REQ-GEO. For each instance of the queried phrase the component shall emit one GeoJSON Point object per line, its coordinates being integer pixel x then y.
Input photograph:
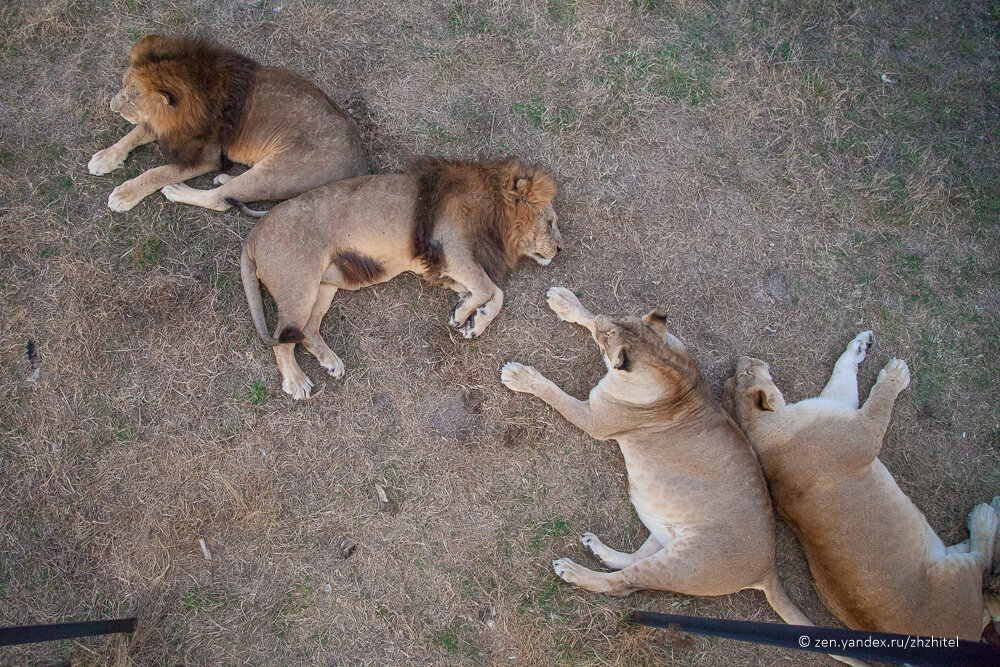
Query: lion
{"type": "Point", "coordinates": [459, 224]}
{"type": "Point", "coordinates": [208, 107]}
{"type": "Point", "coordinates": [877, 563]}
{"type": "Point", "coordinates": [693, 478]}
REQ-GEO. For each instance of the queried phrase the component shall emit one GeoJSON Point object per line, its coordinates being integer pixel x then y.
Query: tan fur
{"type": "Point", "coordinates": [367, 230]}
{"type": "Point", "coordinates": [208, 106]}
{"type": "Point", "coordinates": [693, 477]}
{"type": "Point", "coordinates": [877, 563]}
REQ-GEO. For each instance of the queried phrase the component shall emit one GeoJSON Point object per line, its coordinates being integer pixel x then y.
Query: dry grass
{"type": "Point", "coordinates": [745, 167]}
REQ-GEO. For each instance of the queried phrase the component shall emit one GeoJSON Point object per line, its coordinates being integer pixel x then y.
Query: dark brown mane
{"type": "Point", "coordinates": [206, 86]}
{"type": "Point", "coordinates": [496, 202]}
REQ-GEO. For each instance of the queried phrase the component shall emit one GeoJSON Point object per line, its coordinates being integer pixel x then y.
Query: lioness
{"type": "Point", "coordinates": [877, 563]}
{"type": "Point", "coordinates": [207, 107]}
{"type": "Point", "coordinates": [459, 224]}
{"type": "Point", "coordinates": [693, 477]}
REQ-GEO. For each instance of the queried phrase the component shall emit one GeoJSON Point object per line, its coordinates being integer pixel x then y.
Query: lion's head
{"type": "Point", "coordinates": [527, 220]}
{"type": "Point", "coordinates": [191, 92]}
{"type": "Point", "coordinates": [540, 240]}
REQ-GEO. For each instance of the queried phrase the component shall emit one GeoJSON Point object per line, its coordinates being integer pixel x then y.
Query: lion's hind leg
{"type": "Point", "coordinates": [328, 359]}
{"type": "Point", "coordinates": [617, 560]}
{"type": "Point", "coordinates": [294, 312]}
{"type": "Point", "coordinates": [667, 569]}
{"type": "Point", "coordinates": [271, 179]}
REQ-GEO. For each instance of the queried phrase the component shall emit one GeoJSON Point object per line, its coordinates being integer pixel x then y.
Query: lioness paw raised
{"type": "Point", "coordinates": [859, 346]}
{"type": "Point", "coordinates": [105, 161]}
{"type": "Point", "coordinates": [563, 303]}
{"type": "Point", "coordinates": [518, 377]}
{"type": "Point", "coordinates": [896, 371]}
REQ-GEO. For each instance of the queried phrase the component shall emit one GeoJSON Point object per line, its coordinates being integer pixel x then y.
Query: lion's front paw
{"type": "Point", "coordinates": [595, 545]}
{"type": "Point", "coordinates": [563, 303]}
{"type": "Point", "coordinates": [858, 347]}
{"type": "Point", "coordinates": [104, 162]}
{"type": "Point", "coordinates": [475, 324]}
{"type": "Point", "coordinates": [124, 197]}
{"type": "Point", "coordinates": [896, 371]}
{"type": "Point", "coordinates": [518, 377]}
{"type": "Point", "coordinates": [568, 571]}
{"type": "Point", "coordinates": [453, 320]}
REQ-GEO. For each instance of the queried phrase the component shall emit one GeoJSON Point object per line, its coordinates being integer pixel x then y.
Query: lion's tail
{"type": "Point", "coordinates": [251, 286]}
{"type": "Point", "coordinates": [236, 203]}
{"type": "Point", "coordinates": [789, 612]}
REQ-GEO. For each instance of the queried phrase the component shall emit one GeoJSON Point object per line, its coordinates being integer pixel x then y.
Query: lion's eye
{"type": "Point", "coordinates": [552, 224]}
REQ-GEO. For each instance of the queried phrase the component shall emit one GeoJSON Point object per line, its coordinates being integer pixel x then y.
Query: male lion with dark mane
{"type": "Point", "coordinates": [459, 224]}
{"type": "Point", "coordinates": [208, 107]}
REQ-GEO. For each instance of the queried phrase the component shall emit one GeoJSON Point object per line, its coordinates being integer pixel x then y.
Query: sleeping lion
{"type": "Point", "coordinates": [208, 107]}
{"type": "Point", "coordinates": [459, 224]}
{"type": "Point", "coordinates": [877, 563]}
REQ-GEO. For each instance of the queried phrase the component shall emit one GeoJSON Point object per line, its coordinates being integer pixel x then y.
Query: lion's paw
{"type": "Point", "coordinates": [858, 348]}
{"type": "Point", "coordinates": [105, 162]}
{"type": "Point", "coordinates": [518, 377]}
{"type": "Point", "coordinates": [336, 369]}
{"type": "Point", "coordinates": [595, 545]}
{"type": "Point", "coordinates": [982, 521]}
{"type": "Point", "coordinates": [221, 179]}
{"type": "Point", "coordinates": [453, 320]}
{"type": "Point", "coordinates": [123, 198]}
{"type": "Point", "coordinates": [475, 324]}
{"type": "Point", "coordinates": [568, 571]}
{"type": "Point", "coordinates": [563, 303]}
{"type": "Point", "coordinates": [897, 371]}
{"type": "Point", "coordinates": [298, 386]}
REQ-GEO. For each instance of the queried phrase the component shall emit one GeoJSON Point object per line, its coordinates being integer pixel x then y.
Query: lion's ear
{"type": "Point", "coordinates": [521, 186]}
{"type": "Point", "coordinates": [621, 360]}
{"type": "Point", "coordinates": [657, 321]}
{"type": "Point", "coordinates": [163, 97]}
{"type": "Point", "coordinates": [762, 401]}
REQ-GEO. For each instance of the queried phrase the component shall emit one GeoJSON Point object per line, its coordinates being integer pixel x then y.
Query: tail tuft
{"type": "Point", "coordinates": [291, 335]}
{"type": "Point", "coordinates": [237, 204]}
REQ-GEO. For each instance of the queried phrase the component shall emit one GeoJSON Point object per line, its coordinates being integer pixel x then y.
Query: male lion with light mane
{"type": "Point", "coordinates": [877, 563]}
{"type": "Point", "coordinates": [693, 477]}
{"type": "Point", "coordinates": [208, 107]}
{"type": "Point", "coordinates": [458, 224]}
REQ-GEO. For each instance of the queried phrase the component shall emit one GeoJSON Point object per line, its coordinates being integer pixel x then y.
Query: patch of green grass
{"type": "Point", "coordinates": [440, 132]}
{"type": "Point", "coordinates": [665, 72]}
{"type": "Point", "coordinates": [532, 110]}
{"type": "Point", "coordinates": [456, 638]}
{"type": "Point", "coordinates": [201, 599]}
{"type": "Point", "coordinates": [147, 252]}
{"type": "Point", "coordinates": [121, 427]}
{"type": "Point", "coordinates": [257, 393]}
{"type": "Point", "coordinates": [543, 117]}
{"type": "Point", "coordinates": [562, 11]}
{"type": "Point", "coordinates": [551, 528]}
{"type": "Point", "coordinates": [466, 19]}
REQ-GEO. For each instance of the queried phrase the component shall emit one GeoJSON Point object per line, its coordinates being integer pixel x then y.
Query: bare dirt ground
{"type": "Point", "coordinates": [778, 178]}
